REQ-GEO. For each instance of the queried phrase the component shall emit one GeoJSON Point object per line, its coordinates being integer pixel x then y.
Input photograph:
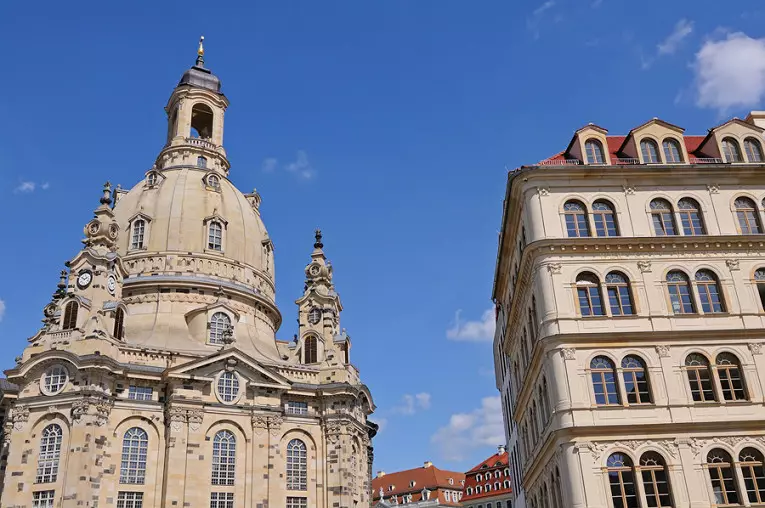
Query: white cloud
{"type": "Point", "coordinates": [483, 427]}
{"type": "Point", "coordinates": [537, 15]}
{"type": "Point", "coordinates": [472, 331]}
{"type": "Point", "coordinates": [301, 167]}
{"type": "Point", "coordinates": [730, 72]}
{"type": "Point", "coordinates": [2, 309]}
{"type": "Point", "coordinates": [45, 186]}
{"type": "Point", "coordinates": [683, 29]}
{"type": "Point", "coordinates": [25, 188]}
{"type": "Point", "coordinates": [269, 165]}
{"type": "Point", "coordinates": [411, 404]}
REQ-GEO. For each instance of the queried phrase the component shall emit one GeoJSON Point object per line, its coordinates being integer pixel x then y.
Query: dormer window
{"type": "Point", "coordinates": [753, 150]}
{"type": "Point", "coordinates": [672, 152]}
{"type": "Point", "coordinates": [594, 152]}
{"type": "Point", "coordinates": [213, 181]}
{"type": "Point", "coordinates": [731, 150]}
{"type": "Point", "coordinates": [152, 179]}
{"type": "Point", "coordinates": [136, 239]}
{"type": "Point", "coordinates": [219, 324]}
{"type": "Point", "coordinates": [650, 151]}
{"type": "Point", "coordinates": [412, 483]}
{"type": "Point", "coordinates": [215, 236]}
{"type": "Point", "coordinates": [201, 162]}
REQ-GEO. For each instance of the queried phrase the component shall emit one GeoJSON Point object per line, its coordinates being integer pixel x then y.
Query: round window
{"type": "Point", "coordinates": [54, 380]}
{"type": "Point", "coordinates": [228, 387]}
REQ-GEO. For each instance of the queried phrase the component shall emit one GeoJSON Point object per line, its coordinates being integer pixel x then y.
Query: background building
{"type": "Point", "coordinates": [425, 486]}
{"type": "Point", "coordinates": [488, 484]}
{"type": "Point", "coordinates": [157, 379]}
{"type": "Point", "coordinates": [630, 291]}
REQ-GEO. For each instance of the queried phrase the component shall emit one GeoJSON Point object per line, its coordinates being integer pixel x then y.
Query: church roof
{"type": "Point", "coordinates": [198, 75]}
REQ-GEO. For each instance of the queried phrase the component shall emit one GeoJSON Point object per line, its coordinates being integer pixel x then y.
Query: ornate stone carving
{"type": "Point", "coordinates": [275, 425]}
{"type": "Point", "coordinates": [755, 348]}
{"type": "Point", "coordinates": [554, 268]}
{"type": "Point", "coordinates": [101, 409]}
{"type": "Point", "coordinates": [176, 416]}
{"type": "Point", "coordinates": [194, 417]}
{"type": "Point", "coordinates": [629, 190]}
{"type": "Point", "coordinates": [713, 188]}
{"type": "Point", "coordinates": [644, 266]}
{"type": "Point", "coordinates": [543, 191]}
{"type": "Point", "coordinates": [79, 409]}
{"type": "Point", "coordinates": [732, 264]}
{"type": "Point", "coordinates": [19, 416]}
{"type": "Point", "coordinates": [568, 353]}
{"type": "Point", "coordinates": [259, 423]}
{"type": "Point", "coordinates": [662, 350]}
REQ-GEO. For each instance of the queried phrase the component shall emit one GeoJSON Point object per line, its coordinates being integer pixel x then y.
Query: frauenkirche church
{"type": "Point", "coordinates": [157, 380]}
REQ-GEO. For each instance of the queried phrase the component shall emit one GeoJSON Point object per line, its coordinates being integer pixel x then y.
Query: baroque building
{"type": "Point", "coordinates": [488, 484]}
{"type": "Point", "coordinates": [423, 487]}
{"type": "Point", "coordinates": [630, 305]}
{"type": "Point", "coordinates": [157, 379]}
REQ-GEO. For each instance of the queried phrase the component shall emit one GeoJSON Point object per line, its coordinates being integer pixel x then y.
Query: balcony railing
{"type": "Point", "coordinates": [561, 162]}
{"type": "Point", "coordinates": [623, 161]}
{"type": "Point", "coordinates": [708, 160]}
{"type": "Point", "coordinates": [201, 143]}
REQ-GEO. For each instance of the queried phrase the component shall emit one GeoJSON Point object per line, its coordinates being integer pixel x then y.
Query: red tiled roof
{"type": "Point", "coordinates": [430, 478]}
{"type": "Point", "coordinates": [692, 144]}
{"type": "Point", "coordinates": [492, 465]}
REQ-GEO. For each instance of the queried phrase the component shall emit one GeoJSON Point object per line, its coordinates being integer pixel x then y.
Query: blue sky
{"type": "Point", "coordinates": [387, 123]}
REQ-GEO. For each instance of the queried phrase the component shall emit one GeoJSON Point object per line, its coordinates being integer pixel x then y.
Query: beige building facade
{"type": "Point", "coordinates": [157, 379]}
{"type": "Point", "coordinates": [630, 297]}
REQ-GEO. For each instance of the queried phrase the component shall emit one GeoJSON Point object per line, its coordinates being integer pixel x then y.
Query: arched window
{"type": "Point", "coordinates": [576, 219]}
{"type": "Point", "coordinates": [588, 293]}
{"type": "Point", "coordinates": [311, 348]}
{"type": "Point", "coordinates": [753, 150]}
{"type": "Point", "coordinates": [759, 279]}
{"type": "Point", "coordinates": [635, 378]}
{"type": "Point", "coordinates": [152, 179]}
{"type": "Point", "coordinates": [748, 216]}
{"type": "Point", "coordinates": [135, 446]}
{"type": "Point", "coordinates": [201, 121]}
{"type": "Point", "coordinates": [653, 471]}
{"type": "Point", "coordinates": [201, 162]}
{"type": "Point", "coordinates": [731, 150]}
{"type": "Point", "coordinates": [545, 402]}
{"type": "Point", "coordinates": [558, 490]}
{"type": "Point", "coordinates": [224, 458]}
{"type": "Point", "coordinates": [228, 386]}
{"type": "Point", "coordinates": [215, 236]}
{"type": "Point", "coordinates": [663, 218]}
{"type": "Point", "coordinates": [497, 486]}
{"type": "Point", "coordinates": [650, 151]}
{"type": "Point", "coordinates": [690, 217]}
{"type": "Point", "coordinates": [672, 152]}
{"type": "Point", "coordinates": [604, 381]}
{"type": "Point", "coordinates": [213, 181]}
{"type": "Point", "coordinates": [720, 466]}
{"type": "Point", "coordinates": [50, 453]}
{"type": "Point", "coordinates": [70, 315]}
{"type": "Point", "coordinates": [605, 218]}
{"type": "Point", "coordinates": [700, 378]}
{"type": "Point", "coordinates": [621, 477]}
{"type": "Point", "coordinates": [751, 462]}
{"type": "Point", "coordinates": [297, 465]}
{"type": "Point", "coordinates": [619, 297]}
{"type": "Point", "coordinates": [119, 318]}
{"type": "Point", "coordinates": [679, 288]}
{"type": "Point", "coordinates": [709, 292]}
{"type": "Point", "coordinates": [731, 381]}
{"type": "Point", "coordinates": [594, 152]}
{"type": "Point", "coordinates": [219, 325]}
{"type": "Point", "coordinates": [139, 228]}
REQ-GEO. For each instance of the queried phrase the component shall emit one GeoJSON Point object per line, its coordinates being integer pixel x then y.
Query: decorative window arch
{"type": "Point", "coordinates": [603, 374]}
{"type": "Point", "coordinates": [722, 475]}
{"type": "Point", "coordinates": [751, 463]}
{"type": "Point", "coordinates": [619, 294]}
{"type": "Point", "coordinates": [119, 319]}
{"type": "Point", "coordinates": [653, 470]}
{"type": "Point", "coordinates": [137, 234]}
{"type": "Point", "coordinates": [690, 217]}
{"type": "Point", "coordinates": [220, 324]}
{"type": "Point", "coordinates": [621, 477]}
{"type": "Point", "coordinates": [748, 216]}
{"type": "Point", "coordinates": [753, 149]}
{"type": "Point", "coordinates": [731, 377]}
{"type": "Point", "coordinates": [297, 465]}
{"type": "Point", "coordinates": [577, 223]}
{"type": "Point", "coordinates": [731, 150]}
{"type": "Point", "coordinates": [594, 152]}
{"type": "Point", "coordinates": [215, 236]}
{"type": "Point", "coordinates": [135, 448]}
{"type": "Point", "coordinates": [680, 296]}
{"type": "Point", "coordinates": [310, 349]}
{"type": "Point", "coordinates": [672, 152]}
{"type": "Point", "coordinates": [699, 375]}
{"type": "Point", "coordinates": [709, 292]}
{"type": "Point", "coordinates": [588, 294]}
{"type": "Point", "coordinates": [604, 215]}
{"type": "Point", "coordinates": [663, 217]}
{"type": "Point", "coordinates": [224, 458]}
{"type": "Point", "coordinates": [650, 151]}
{"type": "Point", "coordinates": [50, 454]}
{"type": "Point", "coordinates": [635, 376]}
{"type": "Point", "coordinates": [70, 315]}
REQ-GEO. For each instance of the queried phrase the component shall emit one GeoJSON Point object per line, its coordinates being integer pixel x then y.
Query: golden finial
{"type": "Point", "coordinates": [201, 50]}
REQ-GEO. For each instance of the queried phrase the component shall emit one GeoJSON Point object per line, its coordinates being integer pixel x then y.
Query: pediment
{"type": "Point", "coordinates": [139, 215]}
{"type": "Point", "coordinates": [211, 307]}
{"type": "Point", "coordinates": [254, 373]}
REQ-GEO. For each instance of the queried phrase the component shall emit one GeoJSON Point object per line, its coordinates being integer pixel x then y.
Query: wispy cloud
{"type": "Point", "coordinates": [472, 331]}
{"type": "Point", "coordinates": [382, 424]}
{"type": "Point", "coordinates": [2, 309]}
{"type": "Point", "coordinates": [301, 167]}
{"type": "Point", "coordinates": [537, 17]}
{"type": "Point", "coordinates": [269, 165]}
{"type": "Point", "coordinates": [28, 186]}
{"type": "Point", "coordinates": [730, 73]}
{"type": "Point", "coordinates": [669, 46]}
{"type": "Point", "coordinates": [465, 432]}
{"type": "Point", "coordinates": [411, 404]}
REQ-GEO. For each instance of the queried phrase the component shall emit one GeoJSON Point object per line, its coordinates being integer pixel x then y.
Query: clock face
{"type": "Point", "coordinates": [111, 284]}
{"type": "Point", "coordinates": [84, 279]}
{"type": "Point", "coordinates": [314, 270]}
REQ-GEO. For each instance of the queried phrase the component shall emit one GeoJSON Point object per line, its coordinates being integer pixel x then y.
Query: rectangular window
{"type": "Point", "coordinates": [43, 499]}
{"type": "Point", "coordinates": [130, 500]}
{"type": "Point", "coordinates": [297, 408]}
{"type": "Point", "coordinates": [222, 500]}
{"type": "Point", "coordinates": [297, 502]}
{"type": "Point", "coordinates": [139, 392]}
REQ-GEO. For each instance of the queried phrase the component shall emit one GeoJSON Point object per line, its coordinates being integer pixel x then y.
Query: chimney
{"type": "Point", "coordinates": [427, 464]}
{"type": "Point", "coordinates": [756, 118]}
{"type": "Point", "coordinates": [380, 474]}
{"type": "Point", "coordinates": [501, 449]}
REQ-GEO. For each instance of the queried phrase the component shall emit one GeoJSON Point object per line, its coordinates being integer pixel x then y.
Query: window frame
{"type": "Point", "coordinates": [135, 450]}
{"type": "Point", "coordinates": [589, 292]}
{"type": "Point", "coordinates": [698, 379]}
{"type": "Point", "coordinates": [646, 145]}
{"type": "Point", "coordinates": [691, 219]}
{"type": "Point", "coordinates": [216, 327]}
{"type": "Point", "coordinates": [57, 372]}
{"type": "Point", "coordinates": [599, 378]}
{"type": "Point", "coordinates": [665, 217]}
{"type": "Point", "coordinates": [619, 293]}
{"type": "Point", "coordinates": [747, 217]}
{"type": "Point", "coordinates": [600, 218]}
{"type": "Point", "coordinates": [753, 472]}
{"type": "Point", "coordinates": [621, 473]}
{"type": "Point", "coordinates": [296, 465]}
{"type": "Point", "coordinates": [577, 221]}
{"type": "Point", "coordinates": [228, 392]}
{"type": "Point", "coordinates": [630, 376]}
{"type": "Point", "coordinates": [751, 156]}
{"type": "Point", "coordinates": [49, 454]}
{"type": "Point", "coordinates": [651, 471]}
{"type": "Point", "coordinates": [733, 386]}
{"type": "Point", "coordinates": [223, 467]}
{"type": "Point", "coordinates": [669, 156]}
{"type": "Point", "coordinates": [675, 294]}
{"type": "Point", "coordinates": [731, 149]}
{"type": "Point", "coordinates": [710, 292]}
{"type": "Point", "coordinates": [598, 152]}
{"type": "Point", "coordinates": [720, 478]}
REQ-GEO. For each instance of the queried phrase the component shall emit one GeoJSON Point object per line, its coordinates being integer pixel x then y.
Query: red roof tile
{"type": "Point", "coordinates": [497, 463]}
{"type": "Point", "coordinates": [692, 144]}
{"type": "Point", "coordinates": [430, 478]}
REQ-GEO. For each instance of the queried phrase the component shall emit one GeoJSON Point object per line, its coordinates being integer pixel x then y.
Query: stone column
{"type": "Point", "coordinates": [572, 475]}
{"type": "Point", "coordinates": [176, 421]}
